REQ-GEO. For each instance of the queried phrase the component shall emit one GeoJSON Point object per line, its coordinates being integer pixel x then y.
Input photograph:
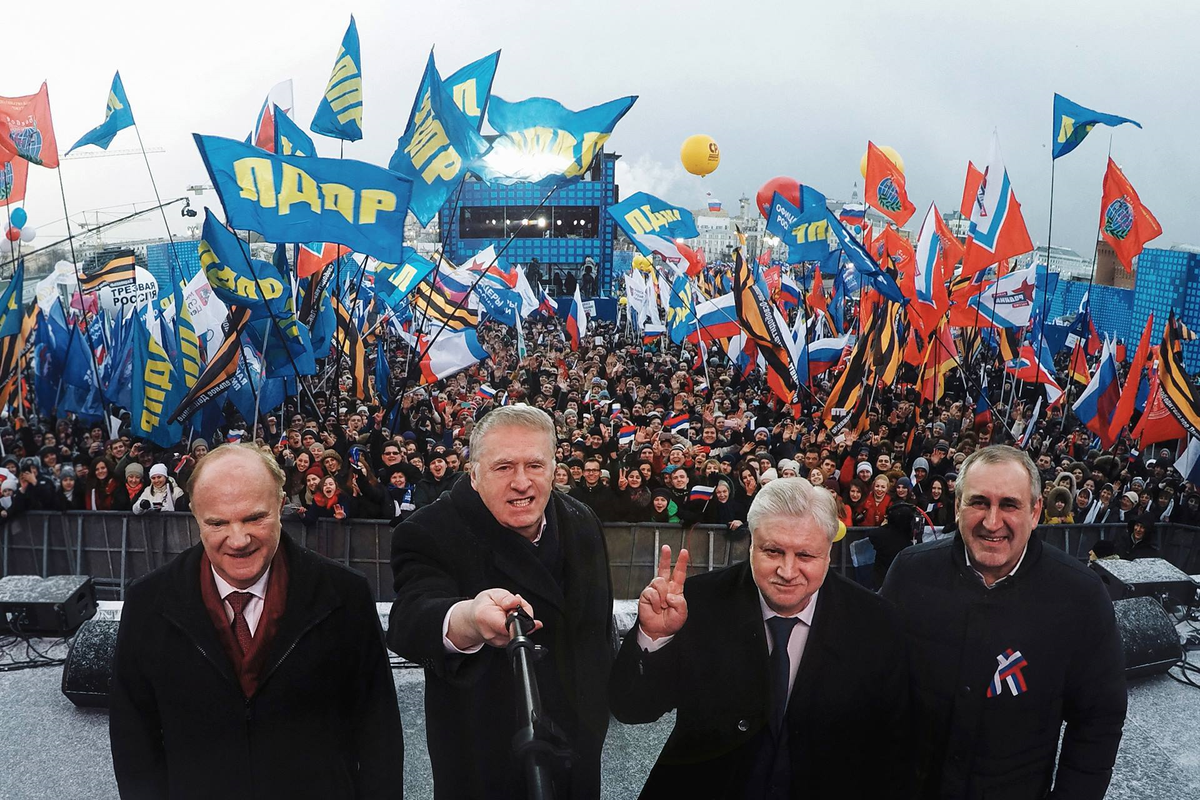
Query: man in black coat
{"type": "Point", "coordinates": [1008, 640]}
{"type": "Point", "coordinates": [822, 716]}
{"type": "Point", "coordinates": [249, 667]}
{"type": "Point", "coordinates": [500, 540]}
{"type": "Point", "coordinates": [594, 494]}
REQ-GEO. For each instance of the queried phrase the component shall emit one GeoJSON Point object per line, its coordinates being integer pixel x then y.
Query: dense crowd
{"type": "Point", "coordinates": [645, 431]}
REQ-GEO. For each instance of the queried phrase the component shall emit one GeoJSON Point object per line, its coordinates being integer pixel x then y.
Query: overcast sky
{"type": "Point", "coordinates": [791, 89]}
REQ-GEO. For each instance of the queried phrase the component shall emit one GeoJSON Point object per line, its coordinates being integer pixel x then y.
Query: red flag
{"type": "Point", "coordinates": [885, 187]}
{"type": "Point", "coordinates": [765, 259]}
{"type": "Point", "coordinates": [14, 176]}
{"type": "Point", "coordinates": [1078, 369]}
{"type": "Point", "coordinates": [1125, 223]}
{"type": "Point", "coordinates": [1157, 424]}
{"type": "Point", "coordinates": [816, 295]}
{"type": "Point", "coordinates": [26, 129]}
{"type": "Point", "coordinates": [1119, 352]}
{"type": "Point", "coordinates": [1093, 343]}
{"type": "Point", "coordinates": [1124, 410]}
{"type": "Point", "coordinates": [970, 189]}
{"type": "Point", "coordinates": [695, 259]}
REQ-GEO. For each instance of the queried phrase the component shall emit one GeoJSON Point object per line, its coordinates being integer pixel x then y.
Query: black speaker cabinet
{"type": "Point", "coordinates": [34, 606]}
{"type": "Point", "coordinates": [1148, 637]}
{"type": "Point", "coordinates": [1146, 577]}
{"type": "Point", "coordinates": [88, 671]}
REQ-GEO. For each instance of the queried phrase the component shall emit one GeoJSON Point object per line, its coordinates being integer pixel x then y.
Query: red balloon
{"type": "Point", "coordinates": [788, 187]}
{"type": "Point", "coordinates": [13, 234]}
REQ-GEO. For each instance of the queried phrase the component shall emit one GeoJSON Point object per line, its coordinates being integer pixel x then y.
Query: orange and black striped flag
{"type": "Point", "coordinates": [1178, 392]}
{"type": "Point", "coordinates": [219, 373]}
{"type": "Point", "coordinates": [13, 356]}
{"type": "Point", "coordinates": [843, 411]}
{"type": "Point", "coordinates": [430, 302]}
{"type": "Point", "coordinates": [352, 346]}
{"type": "Point", "coordinates": [117, 270]}
{"type": "Point", "coordinates": [887, 343]}
{"type": "Point", "coordinates": [761, 321]}
{"type": "Point", "coordinates": [1078, 368]}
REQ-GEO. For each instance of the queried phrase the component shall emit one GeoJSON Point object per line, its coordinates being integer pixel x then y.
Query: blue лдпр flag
{"type": "Point", "coordinates": [1073, 122]}
{"type": "Point", "coordinates": [117, 117]}
{"type": "Point", "coordinates": [339, 114]}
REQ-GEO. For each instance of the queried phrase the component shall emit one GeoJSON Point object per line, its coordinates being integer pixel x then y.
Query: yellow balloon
{"type": "Point", "coordinates": [892, 155]}
{"type": "Point", "coordinates": [700, 154]}
{"type": "Point", "coordinates": [841, 531]}
{"type": "Point", "coordinates": [643, 264]}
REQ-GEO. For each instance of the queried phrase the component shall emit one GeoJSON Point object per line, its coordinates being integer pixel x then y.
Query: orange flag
{"type": "Point", "coordinates": [885, 187]}
{"type": "Point", "coordinates": [1124, 410]}
{"type": "Point", "coordinates": [970, 189]}
{"type": "Point", "coordinates": [1078, 370]}
{"type": "Point", "coordinates": [1125, 223]}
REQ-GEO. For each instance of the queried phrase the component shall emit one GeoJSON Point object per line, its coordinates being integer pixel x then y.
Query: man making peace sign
{"type": "Point", "coordinates": [787, 680]}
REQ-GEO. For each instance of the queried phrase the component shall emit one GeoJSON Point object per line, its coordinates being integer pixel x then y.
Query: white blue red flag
{"type": "Point", "coordinates": [625, 434]}
{"type": "Point", "coordinates": [824, 354]}
{"type": "Point", "coordinates": [997, 229]}
{"type": "Point", "coordinates": [700, 494]}
{"type": "Point", "coordinates": [1098, 402]}
{"type": "Point", "coordinates": [576, 323]}
{"type": "Point", "coordinates": [677, 423]}
{"type": "Point", "coordinates": [1008, 302]}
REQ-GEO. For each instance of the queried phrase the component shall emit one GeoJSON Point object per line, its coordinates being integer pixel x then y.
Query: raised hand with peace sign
{"type": "Point", "coordinates": [662, 609]}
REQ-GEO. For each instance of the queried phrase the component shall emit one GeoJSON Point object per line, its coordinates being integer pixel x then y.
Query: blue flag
{"type": "Point", "coordinates": [117, 117]}
{"type": "Point", "coordinates": [393, 282]}
{"type": "Point", "coordinates": [247, 381]}
{"type": "Point", "coordinates": [295, 199]}
{"type": "Point", "coordinates": [541, 141]}
{"type": "Point", "coordinates": [805, 230]}
{"type": "Point", "coordinates": [235, 277]}
{"type": "Point", "coordinates": [863, 263]}
{"type": "Point", "coordinates": [157, 389]}
{"type": "Point", "coordinates": [471, 87]}
{"type": "Point", "coordinates": [681, 311]}
{"type": "Point", "coordinates": [438, 144]}
{"type": "Point", "coordinates": [1073, 122]}
{"type": "Point", "coordinates": [339, 114]}
{"type": "Point", "coordinates": [12, 313]}
{"type": "Point", "coordinates": [290, 138]}
{"type": "Point", "coordinates": [498, 303]}
{"type": "Point", "coordinates": [655, 226]}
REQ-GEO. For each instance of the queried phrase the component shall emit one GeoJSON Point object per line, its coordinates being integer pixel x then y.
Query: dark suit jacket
{"type": "Point", "coordinates": [323, 723]}
{"type": "Point", "coordinates": [450, 551]}
{"type": "Point", "coordinates": [845, 716]}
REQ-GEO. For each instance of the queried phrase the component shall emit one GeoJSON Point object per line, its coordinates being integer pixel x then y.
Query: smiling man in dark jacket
{"type": "Point", "coordinates": [1008, 639]}
{"type": "Point", "coordinates": [249, 667]}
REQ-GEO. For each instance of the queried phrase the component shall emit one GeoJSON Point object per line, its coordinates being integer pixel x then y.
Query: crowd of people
{"type": "Point", "coordinates": [646, 432]}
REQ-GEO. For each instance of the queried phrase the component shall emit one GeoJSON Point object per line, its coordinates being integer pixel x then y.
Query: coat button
{"type": "Point", "coordinates": [743, 725]}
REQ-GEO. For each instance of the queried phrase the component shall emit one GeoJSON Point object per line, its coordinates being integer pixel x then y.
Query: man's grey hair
{"type": "Point", "coordinates": [999, 454]}
{"type": "Point", "coordinates": [794, 498]}
{"type": "Point", "coordinates": [519, 415]}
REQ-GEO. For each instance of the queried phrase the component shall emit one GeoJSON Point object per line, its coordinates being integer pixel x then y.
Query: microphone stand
{"type": "Point", "coordinates": [537, 742]}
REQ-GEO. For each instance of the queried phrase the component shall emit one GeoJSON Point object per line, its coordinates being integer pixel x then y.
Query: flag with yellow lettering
{"type": "Point", "coordinates": [117, 117]}
{"type": "Point", "coordinates": [284, 344]}
{"type": "Point", "coordinates": [393, 282]}
{"type": "Point", "coordinates": [1072, 122]}
{"type": "Point", "coordinates": [297, 199]}
{"type": "Point", "coordinates": [235, 277]}
{"type": "Point", "coordinates": [804, 230]}
{"type": "Point", "coordinates": [471, 87]}
{"type": "Point", "coordinates": [656, 226]}
{"type": "Point", "coordinates": [221, 368]}
{"type": "Point", "coordinates": [290, 138]}
{"type": "Point", "coordinates": [542, 141]}
{"type": "Point", "coordinates": [157, 389]}
{"type": "Point", "coordinates": [438, 144]}
{"type": "Point", "coordinates": [339, 113]}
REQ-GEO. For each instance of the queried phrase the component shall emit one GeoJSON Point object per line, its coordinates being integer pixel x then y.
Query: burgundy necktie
{"type": "Point", "coordinates": [241, 628]}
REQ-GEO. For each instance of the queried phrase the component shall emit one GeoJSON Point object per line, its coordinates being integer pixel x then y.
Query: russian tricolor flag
{"type": "Point", "coordinates": [789, 291]}
{"type": "Point", "coordinates": [233, 437]}
{"type": "Point", "coordinates": [625, 434]}
{"type": "Point", "coordinates": [1098, 402]}
{"type": "Point", "coordinates": [651, 331]}
{"type": "Point", "coordinates": [701, 493]}
{"type": "Point", "coordinates": [825, 354]}
{"type": "Point", "coordinates": [677, 423]}
{"type": "Point", "coordinates": [546, 306]}
{"type": "Point", "coordinates": [485, 392]}
{"type": "Point", "coordinates": [715, 319]}
{"type": "Point", "coordinates": [576, 324]}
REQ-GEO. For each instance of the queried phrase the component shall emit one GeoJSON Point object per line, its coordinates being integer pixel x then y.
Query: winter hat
{"type": "Point", "coordinates": [134, 469]}
{"type": "Point", "coordinates": [200, 442]}
{"type": "Point", "coordinates": [66, 472]}
{"type": "Point", "coordinates": [10, 484]}
{"type": "Point", "coordinates": [905, 482]}
{"type": "Point", "coordinates": [921, 463]}
{"type": "Point", "coordinates": [787, 463]}
{"type": "Point", "coordinates": [1131, 497]}
{"type": "Point", "coordinates": [661, 493]}
{"type": "Point", "coordinates": [864, 465]}
{"type": "Point", "coordinates": [158, 469]}
{"type": "Point", "coordinates": [769, 475]}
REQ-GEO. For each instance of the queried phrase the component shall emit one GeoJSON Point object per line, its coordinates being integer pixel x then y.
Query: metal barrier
{"type": "Point", "coordinates": [117, 547]}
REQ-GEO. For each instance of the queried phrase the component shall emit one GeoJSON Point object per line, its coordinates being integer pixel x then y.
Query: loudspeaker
{"type": "Point", "coordinates": [1148, 637]}
{"type": "Point", "coordinates": [33, 606]}
{"type": "Point", "coordinates": [1146, 577]}
{"type": "Point", "coordinates": [88, 670]}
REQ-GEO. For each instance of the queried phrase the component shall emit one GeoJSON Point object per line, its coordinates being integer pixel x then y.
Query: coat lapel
{"type": "Point", "coordinates": [820, 651]}
{"type": "Point", "coordinates": [184, 607]}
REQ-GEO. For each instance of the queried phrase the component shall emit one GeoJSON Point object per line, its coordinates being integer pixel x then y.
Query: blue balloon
{"type": "Point", "coordinates": [19, 218]}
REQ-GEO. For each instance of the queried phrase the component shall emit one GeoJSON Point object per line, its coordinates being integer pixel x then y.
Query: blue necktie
{"type": "Point", "coordinates": [781, 632]}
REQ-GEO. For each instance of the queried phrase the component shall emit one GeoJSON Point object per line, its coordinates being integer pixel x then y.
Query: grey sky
{"type": "Point", "coordinates": [785, 88]}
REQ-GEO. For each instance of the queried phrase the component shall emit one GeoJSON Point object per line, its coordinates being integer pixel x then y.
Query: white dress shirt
{"type": "Point", "coordinates": [1011, 572]}
{"type": "Point", "coordinates": [254, 606]}
{"type": "Point", "coordinates": [795, 645]}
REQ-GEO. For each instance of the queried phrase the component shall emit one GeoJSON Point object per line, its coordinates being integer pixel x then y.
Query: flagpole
{"type": "Point", "coordinates": [78, 284]}
{"type": "Point", "coordinates": [262, 377]}
{"type": "Point", "coordinates": [1046, 287]}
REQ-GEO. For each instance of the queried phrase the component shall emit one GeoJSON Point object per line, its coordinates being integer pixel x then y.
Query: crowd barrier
{"type": "Point", "coordinates": [117, 547]}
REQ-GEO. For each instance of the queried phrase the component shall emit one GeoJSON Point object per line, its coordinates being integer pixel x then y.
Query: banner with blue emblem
{"type": "Point", "coordinates": [541, 141]}
{"type": "Point", "coordinates": [296, 199]}
{"type": "Point", "coordinates": [117, 117]}
{"type": "Point", "coordinates": [861, 260]}
{"type": "Point", "coordinates": [804, 230]}
{"type": "Point", "coordinates": [340, 111]}
{"type": "Point", "coordinates": [438, 144]}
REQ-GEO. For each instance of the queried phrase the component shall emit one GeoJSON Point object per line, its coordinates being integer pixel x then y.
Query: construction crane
{"type": "Point", "coordinates": [109, 153]}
